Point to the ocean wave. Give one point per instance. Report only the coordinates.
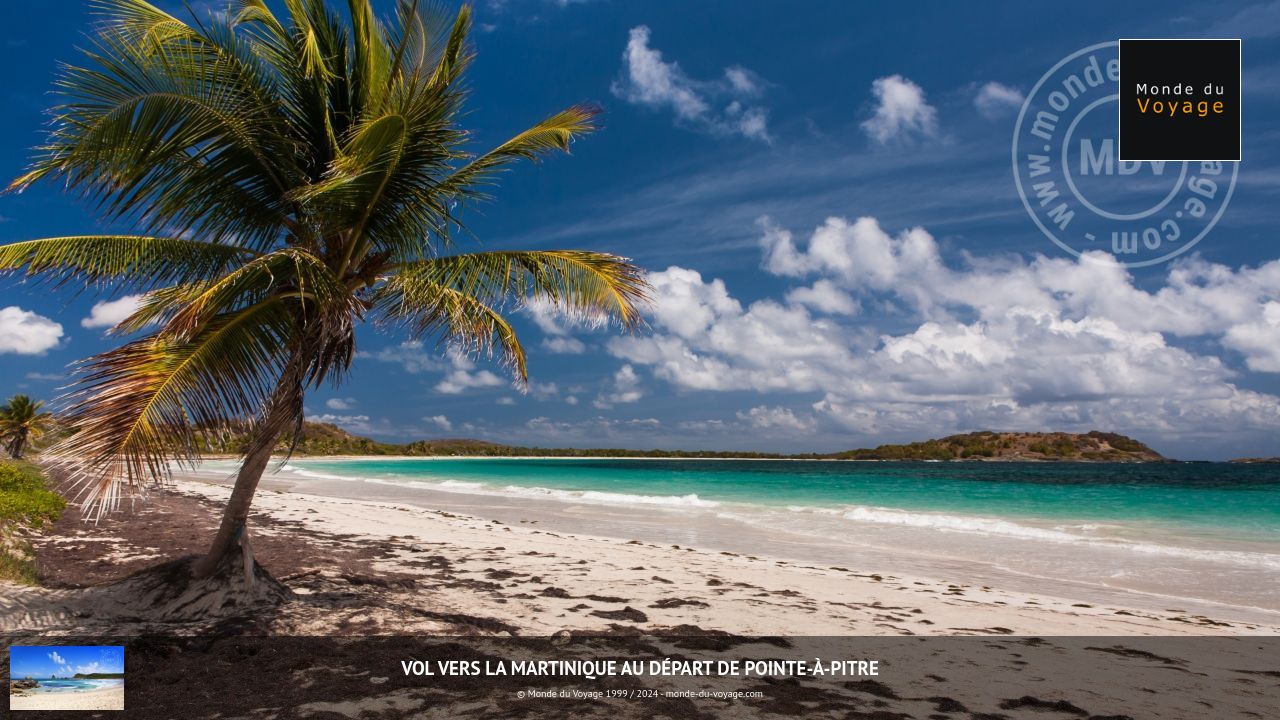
(609, 498)
(594, 497)
(1084, 533)
(972, 524)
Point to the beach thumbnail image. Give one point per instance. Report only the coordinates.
(66, 677)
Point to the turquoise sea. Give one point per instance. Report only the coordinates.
(72, 685)
(1206, 531)
(1231, 501)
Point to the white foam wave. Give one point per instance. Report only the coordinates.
(594, 497)
(1004, 528)
(609, 498)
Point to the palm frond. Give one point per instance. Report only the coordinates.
(289, 272)
(460, 297)
(174, 129)
(143, 405)
(555, 133)
(125, 261)
(582, 284)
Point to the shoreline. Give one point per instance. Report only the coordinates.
(1160, 565)
(108, 698)
(1031, 461)
(374, 517)
(377, 565)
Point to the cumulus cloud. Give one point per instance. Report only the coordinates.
(1258, 339)
(23, 332)
(824, 296)
(720, 107)
(564, 346)
(460, 371)
(901, 111)
(340, 403)
(110, 313)
(440, 421)
(764, 417)
(412, 355)
(556, 324)
(343, 420)
(597, 430)
(626, 389)
(995, 101)
(995, 342)
(464, 376)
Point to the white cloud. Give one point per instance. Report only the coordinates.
(775, 418)
(1258, 339)
(995, 101)
(626, 389)
(460, 372)
(440, 421)
(719, 107)
(556, 323)
(596, 431)
(998, 342)
(110, 313)
(824, 296)
(58, 659)
(901, 111)
(25, 333)
(340, 403)
(564, 346)
(464, 376)
(743, 81)
(411, 355)
(93, 667)
(544, 391)
(506, 400)
(342, 420)
(48, 377)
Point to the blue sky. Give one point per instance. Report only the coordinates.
(823, 196)
(42, 661)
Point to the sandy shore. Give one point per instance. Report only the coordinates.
(375, 582)
(429, 571)
(110, 698)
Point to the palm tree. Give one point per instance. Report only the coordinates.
(22, 422)
(283, 180)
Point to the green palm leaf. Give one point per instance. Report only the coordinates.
(127, 261)
(145, 404)
(460, 297)
(277, 175)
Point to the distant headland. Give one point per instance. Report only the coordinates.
(321, 439)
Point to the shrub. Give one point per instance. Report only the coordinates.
(24, 499)
(25, 503)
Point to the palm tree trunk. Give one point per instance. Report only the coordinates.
(19, 444)
(281, 412)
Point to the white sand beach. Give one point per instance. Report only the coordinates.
(540, 580)
(107, 698)
(373, 566)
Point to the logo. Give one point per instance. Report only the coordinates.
(1082, 196)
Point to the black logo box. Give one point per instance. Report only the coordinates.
(1186, 68)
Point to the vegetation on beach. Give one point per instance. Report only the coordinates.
(283, 178)
(1091, 446)
(26, 504)
(22, 422)
(327, 439)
